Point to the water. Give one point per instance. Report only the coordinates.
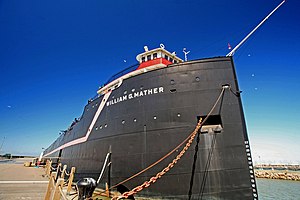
(269, 189)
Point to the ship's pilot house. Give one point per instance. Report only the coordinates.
(157, 57)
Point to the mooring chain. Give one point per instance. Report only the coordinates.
(165, 170)
(190, 139)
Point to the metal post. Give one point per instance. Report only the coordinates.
(231, 53)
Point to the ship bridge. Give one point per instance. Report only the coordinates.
(148, 61)
(157, 57)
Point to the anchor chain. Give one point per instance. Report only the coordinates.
(190, 138)
(165, 170)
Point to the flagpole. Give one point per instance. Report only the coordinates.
(231, 53)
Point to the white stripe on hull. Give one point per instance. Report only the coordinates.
(84, 139)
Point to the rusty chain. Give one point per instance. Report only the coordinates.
(165, 170)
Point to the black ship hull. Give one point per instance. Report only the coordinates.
(150, 114)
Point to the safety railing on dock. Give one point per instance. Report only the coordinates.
(59, 187)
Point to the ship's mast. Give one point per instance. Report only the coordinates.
(231, 53)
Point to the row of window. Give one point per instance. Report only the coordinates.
(154, 56)
(172, 82)
(123, 122)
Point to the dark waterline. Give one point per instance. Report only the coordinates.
(269, 189)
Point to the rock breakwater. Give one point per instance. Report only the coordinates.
(283, 175)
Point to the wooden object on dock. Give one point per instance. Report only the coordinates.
(56, 183)
(50, 187)
(48, 167)
(70, 180)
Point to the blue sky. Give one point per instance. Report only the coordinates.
(54, 55)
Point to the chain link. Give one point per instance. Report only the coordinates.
(171, 165)
(153, 179)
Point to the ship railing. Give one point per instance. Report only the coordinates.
(121, 73)
(114, 77)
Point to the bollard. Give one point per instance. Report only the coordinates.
(86, 187)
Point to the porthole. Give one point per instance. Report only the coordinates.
(178, 114)
(105, 125)
(96, 104)
(197, 79)
(172, 90)
(125, 92)
(142, 87)
(96, 128)
(172, 82)
(123, 121)
(132, 90)
(113, 97)
(101, 127)
(134, 120)
(154, 117)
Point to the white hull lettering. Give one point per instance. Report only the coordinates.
(150, 91)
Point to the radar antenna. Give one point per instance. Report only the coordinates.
(185, 53)
(231, 53)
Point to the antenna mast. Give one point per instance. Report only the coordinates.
(185, 54)
(231, 53)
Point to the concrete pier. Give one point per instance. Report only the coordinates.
(19, 182)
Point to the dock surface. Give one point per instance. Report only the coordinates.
(19, 182)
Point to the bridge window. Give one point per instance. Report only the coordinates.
(143, 59)
(171, 59)
(154, 55)
(166, 57)
(148, 57)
